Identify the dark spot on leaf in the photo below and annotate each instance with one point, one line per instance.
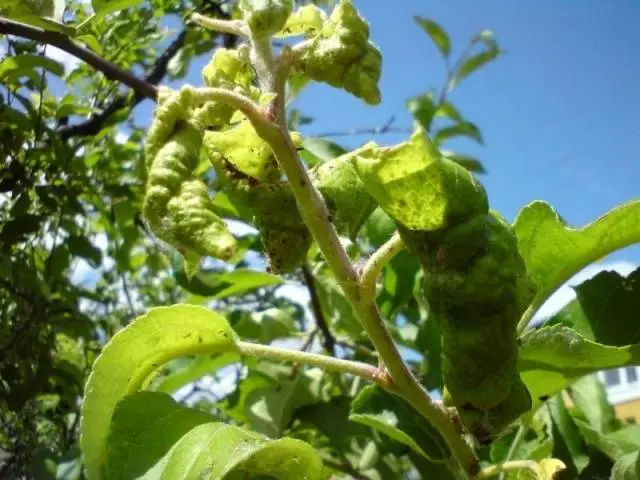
(543, 398)
(199, 339)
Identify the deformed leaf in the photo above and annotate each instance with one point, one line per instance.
(217, 451)
(134, 353)
(347, 200)
(436, 33)
(553, 251)
(145, 425)
(307, 20)
(394, 417)
(342, 55)
(419, 188)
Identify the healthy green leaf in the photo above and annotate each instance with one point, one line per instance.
(266, 325)
(467, 161)
(134, 353)
(436, 33)
(223, 285)
(392, 416)
(28, 9)
(196, 369)
(627, 467)
(82, 247)
(217, 451)
(18, 65)
(596, 439)
(105, 7)
(605, 307)
(568, 445)
(323, 149)
(590, 396)
(472, 64)
(592, 333)
(270, 410)
(332, 420)
(464, 129)
(553, 251)
(423, 109)
(145, 425)
(628, 436)
(552, 357)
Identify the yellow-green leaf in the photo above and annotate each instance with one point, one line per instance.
(133, 354)
(553, 251)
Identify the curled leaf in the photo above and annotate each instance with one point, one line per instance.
(347, 199)
(419, 188)
(265, 17)
(177, 205)
(307, 20)
(342, 55)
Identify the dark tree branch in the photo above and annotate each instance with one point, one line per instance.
(381, 130)
(329, 341)
(111, 71)
(95, 123)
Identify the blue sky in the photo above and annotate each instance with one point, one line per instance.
(560, 112)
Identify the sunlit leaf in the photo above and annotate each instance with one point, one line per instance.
(134, 353)
(471, 64)
(144, 428)
(436, 33)
(553, 251)
(217, 451)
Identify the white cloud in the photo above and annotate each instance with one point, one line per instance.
(566, 293)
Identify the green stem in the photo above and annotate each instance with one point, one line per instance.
(517, 440)
(376, 263)
(316, 216)
(326, 362)
(494, 470)
(234, 27)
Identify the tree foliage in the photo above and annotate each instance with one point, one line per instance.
(143, 332)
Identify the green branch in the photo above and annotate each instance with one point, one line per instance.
(326, 362)
(234, 27)
(393, 373)
(376, 263)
